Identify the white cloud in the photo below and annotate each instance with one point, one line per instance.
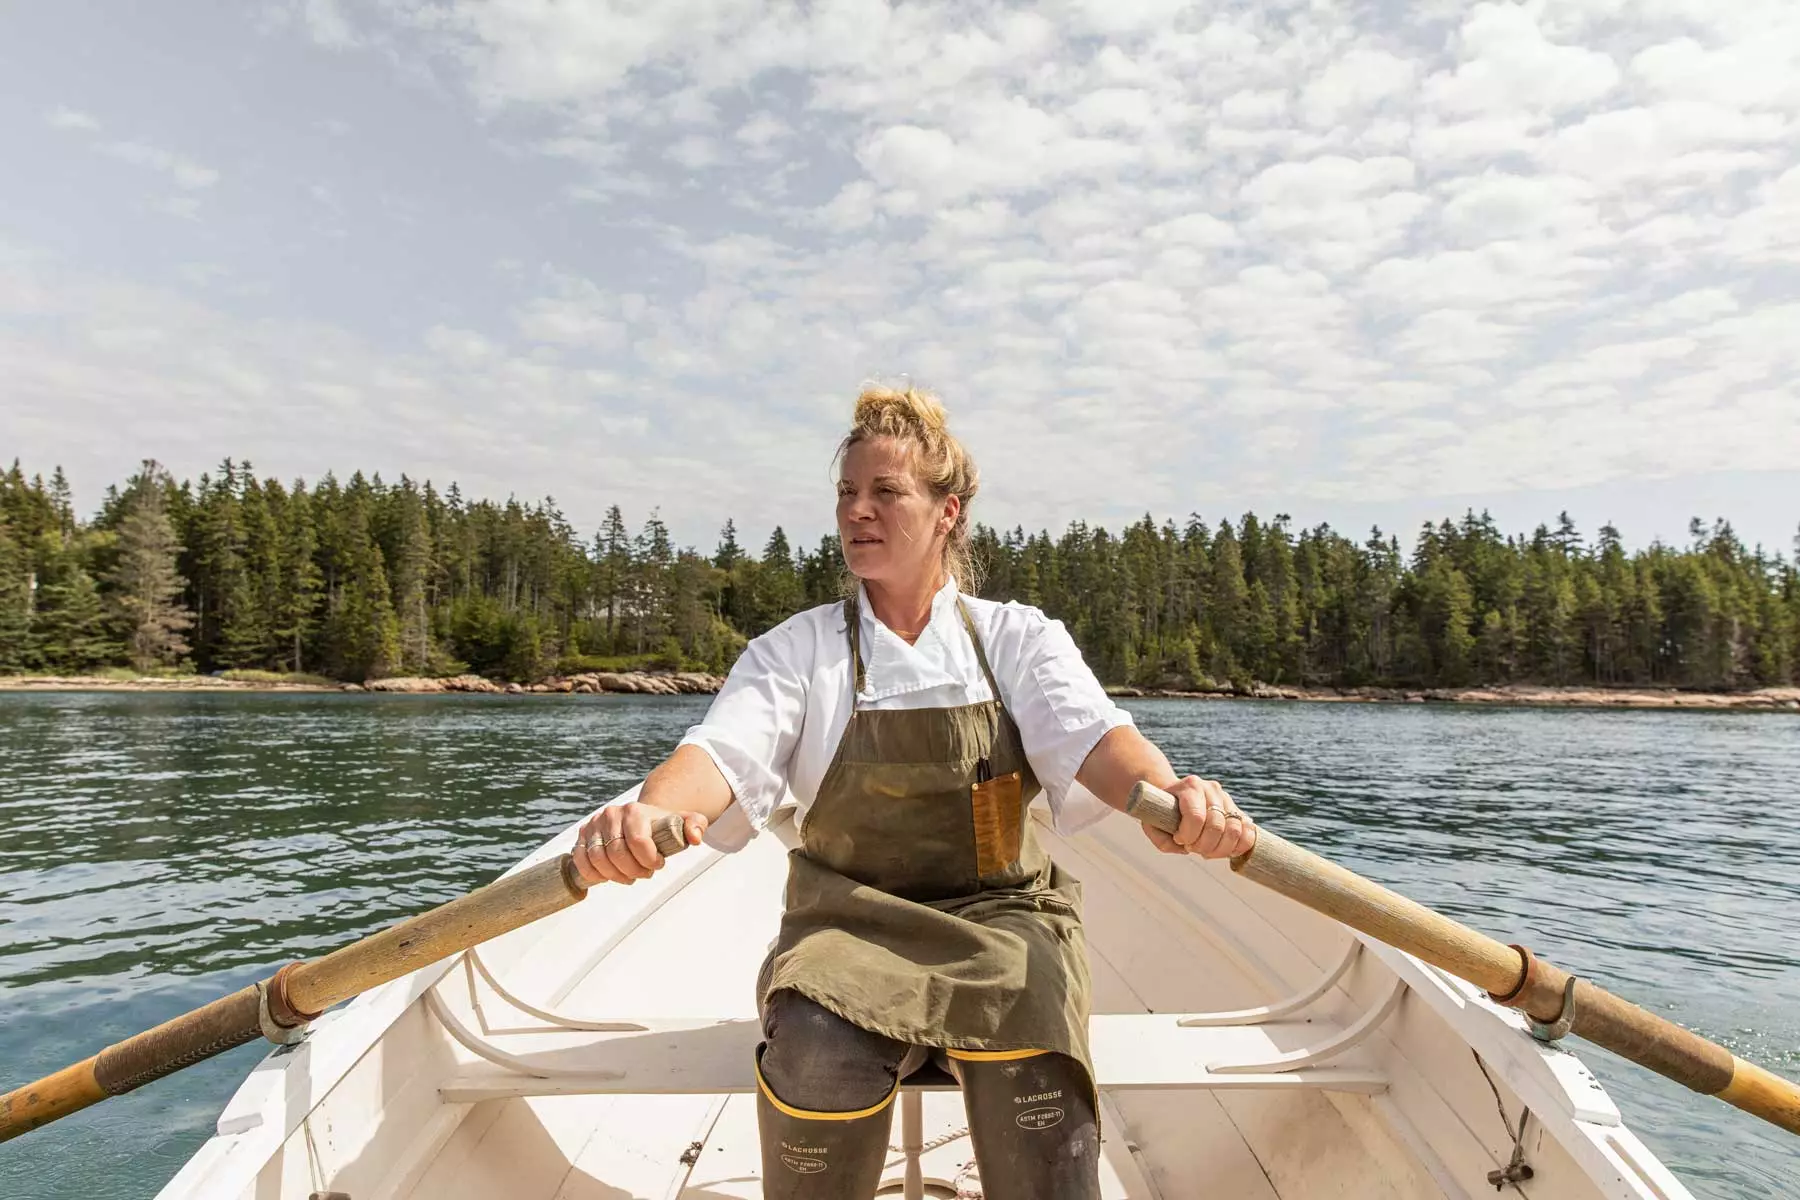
(1454, 335)
(1194, 229)
(1325, 179)
(326, 22)
(763, 131)
(1498, 205)
(1687, 309)
(1354, 85)
(1760, 72)
(1114, 109)
(1253, 108)
(1668, 140)
(1509, 66)
(1279, 247)
(694, 152)
(1484, 139)
(73, 119)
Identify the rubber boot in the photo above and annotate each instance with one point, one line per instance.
(820, 1155)
(1033, 1122)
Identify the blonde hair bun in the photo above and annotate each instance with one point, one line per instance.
(900, 411)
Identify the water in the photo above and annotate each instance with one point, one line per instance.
(158, 850)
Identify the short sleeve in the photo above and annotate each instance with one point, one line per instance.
(752, 728)
(1062, 713)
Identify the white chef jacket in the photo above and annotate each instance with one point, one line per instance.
(774, 727)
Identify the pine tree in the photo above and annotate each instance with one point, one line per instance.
(411, 575)
(779, 593)
(612, 554)
(299, 582)
(1447, 611)
(1230, 598)
(652, 556)
(146, 585)
(728, 553)
(362, 635)
(213, 563)
(15, 602)
(62, 498)
(70, 634)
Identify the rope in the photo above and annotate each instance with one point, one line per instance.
(943, 1139)
(1517, 1170)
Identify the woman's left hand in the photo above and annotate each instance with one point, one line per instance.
(1212, 825)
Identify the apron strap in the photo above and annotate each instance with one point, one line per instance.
(980, 653)
(853, 626)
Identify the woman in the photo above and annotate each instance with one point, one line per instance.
(913, 725)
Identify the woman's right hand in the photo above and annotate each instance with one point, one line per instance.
(615, 845)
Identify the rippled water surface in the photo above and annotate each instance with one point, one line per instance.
(156, 851)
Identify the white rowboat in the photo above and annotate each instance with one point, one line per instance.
(1245, 1047)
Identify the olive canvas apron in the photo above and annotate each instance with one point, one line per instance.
(919, 903)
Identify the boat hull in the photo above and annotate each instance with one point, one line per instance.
(1245, 1047)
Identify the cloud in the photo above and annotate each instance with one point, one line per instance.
(327, 24)
(1508, 65)
(1355, 85)
(1500, 205)
(1279, 247)
(185, 174)
(1454, 335)
(763, 131)
(72, 119)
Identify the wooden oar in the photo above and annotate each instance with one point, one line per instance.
(1511, 975)
(299, 992)
(280, 1006)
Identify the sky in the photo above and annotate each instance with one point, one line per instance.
(1358, 263)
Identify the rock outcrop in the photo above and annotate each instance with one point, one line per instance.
(420, 684)
(678, 683)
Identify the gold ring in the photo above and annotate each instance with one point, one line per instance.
(597, 843)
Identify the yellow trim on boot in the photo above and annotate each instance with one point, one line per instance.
(804, 1115)
(994, 1055)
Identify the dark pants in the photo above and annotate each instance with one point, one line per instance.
(1032, 1120)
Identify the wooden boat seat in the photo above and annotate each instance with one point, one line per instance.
(525, 1051)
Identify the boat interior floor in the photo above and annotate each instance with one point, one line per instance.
(560, 1087)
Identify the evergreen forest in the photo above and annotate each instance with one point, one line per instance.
(361, 579)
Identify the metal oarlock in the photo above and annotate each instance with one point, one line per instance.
(275, 1031)
(1556, 1030)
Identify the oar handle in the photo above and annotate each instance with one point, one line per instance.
(670, 835)
(301, 991)
(1153, 807)
(1509, 974)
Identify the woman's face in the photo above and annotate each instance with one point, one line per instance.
(891, 527)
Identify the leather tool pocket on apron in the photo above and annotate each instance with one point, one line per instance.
(999, 820)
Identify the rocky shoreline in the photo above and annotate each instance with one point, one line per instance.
(1762, 699)
(644, 683)
(686, 683)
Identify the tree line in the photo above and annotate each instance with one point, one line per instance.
(360, 579)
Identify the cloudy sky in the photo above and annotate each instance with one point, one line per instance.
(1351, 261)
